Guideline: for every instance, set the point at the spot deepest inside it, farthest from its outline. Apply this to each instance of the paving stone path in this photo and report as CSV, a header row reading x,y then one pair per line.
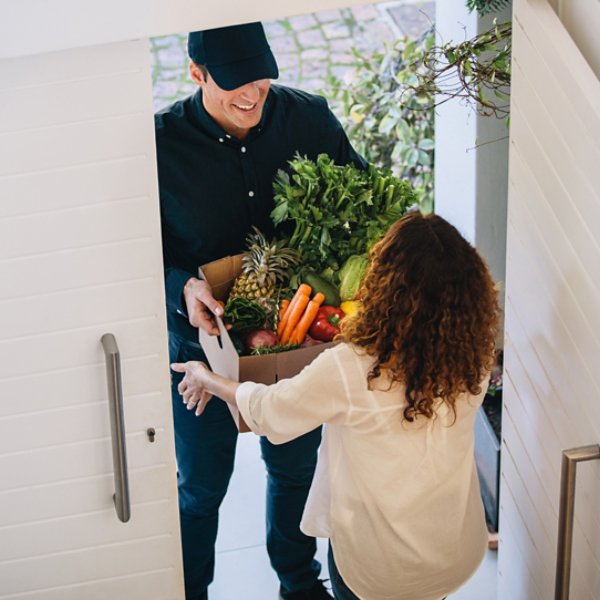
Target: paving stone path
x,y
308,48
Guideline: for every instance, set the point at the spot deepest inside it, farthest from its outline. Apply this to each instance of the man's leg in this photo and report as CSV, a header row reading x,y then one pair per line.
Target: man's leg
x,y
290,469
340,590
205,449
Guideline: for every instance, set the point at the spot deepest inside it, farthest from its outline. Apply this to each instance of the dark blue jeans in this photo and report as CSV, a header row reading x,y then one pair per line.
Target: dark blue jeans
x,y
205,450
339,588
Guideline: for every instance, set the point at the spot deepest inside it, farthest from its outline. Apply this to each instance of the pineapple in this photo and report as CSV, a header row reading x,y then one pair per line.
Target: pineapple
x,y
264,269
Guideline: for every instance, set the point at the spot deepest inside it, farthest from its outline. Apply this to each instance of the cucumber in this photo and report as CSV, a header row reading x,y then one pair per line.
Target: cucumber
x,y
318,284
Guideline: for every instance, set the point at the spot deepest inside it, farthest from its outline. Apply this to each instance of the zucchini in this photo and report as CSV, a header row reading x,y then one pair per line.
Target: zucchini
x,y
318,284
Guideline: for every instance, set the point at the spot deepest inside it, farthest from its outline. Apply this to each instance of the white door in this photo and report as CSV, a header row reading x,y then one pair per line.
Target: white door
x,y
552,360
80,257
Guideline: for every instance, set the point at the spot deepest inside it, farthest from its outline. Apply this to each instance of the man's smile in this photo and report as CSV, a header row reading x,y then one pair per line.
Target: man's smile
x,y
246,107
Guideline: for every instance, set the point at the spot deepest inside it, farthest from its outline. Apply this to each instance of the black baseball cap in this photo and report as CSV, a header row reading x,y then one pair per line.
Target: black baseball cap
x,y
234,55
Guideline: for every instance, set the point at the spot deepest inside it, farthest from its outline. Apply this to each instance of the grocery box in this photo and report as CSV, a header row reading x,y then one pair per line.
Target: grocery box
x,y
221,353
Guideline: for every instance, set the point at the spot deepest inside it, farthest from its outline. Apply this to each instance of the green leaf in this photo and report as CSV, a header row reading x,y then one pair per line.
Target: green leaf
x,y
424,158
387,124
279,213
426,144
412,157
399,147
403,129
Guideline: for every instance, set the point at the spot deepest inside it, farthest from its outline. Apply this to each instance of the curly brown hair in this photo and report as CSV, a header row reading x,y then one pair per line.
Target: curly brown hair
x,y
429,314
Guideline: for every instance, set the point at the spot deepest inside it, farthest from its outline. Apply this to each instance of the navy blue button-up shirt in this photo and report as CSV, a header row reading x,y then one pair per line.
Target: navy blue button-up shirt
x,y
213,187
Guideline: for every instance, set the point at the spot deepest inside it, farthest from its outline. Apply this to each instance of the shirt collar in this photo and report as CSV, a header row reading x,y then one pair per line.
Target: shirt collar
x,y
206,122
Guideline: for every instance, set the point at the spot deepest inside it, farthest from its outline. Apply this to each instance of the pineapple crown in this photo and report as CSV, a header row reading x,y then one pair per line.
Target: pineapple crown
x,y
268,262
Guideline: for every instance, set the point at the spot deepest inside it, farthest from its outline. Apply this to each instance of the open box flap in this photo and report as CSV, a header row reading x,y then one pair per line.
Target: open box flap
x,y
221,274
220,351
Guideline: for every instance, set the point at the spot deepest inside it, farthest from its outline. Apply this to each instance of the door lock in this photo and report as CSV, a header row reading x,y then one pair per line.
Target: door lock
x,y
151,432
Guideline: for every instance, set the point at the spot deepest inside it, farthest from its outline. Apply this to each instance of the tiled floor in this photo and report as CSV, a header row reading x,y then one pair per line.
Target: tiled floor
x,y
243,571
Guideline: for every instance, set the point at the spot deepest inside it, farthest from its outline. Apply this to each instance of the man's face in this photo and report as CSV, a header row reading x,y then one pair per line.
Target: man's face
x,y
236,111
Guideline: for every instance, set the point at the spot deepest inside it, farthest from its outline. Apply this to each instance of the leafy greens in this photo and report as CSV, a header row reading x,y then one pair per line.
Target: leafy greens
x,y
337,211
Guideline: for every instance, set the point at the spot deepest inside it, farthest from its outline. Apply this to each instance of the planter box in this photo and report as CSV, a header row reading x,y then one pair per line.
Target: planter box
x,y
487,459
221,353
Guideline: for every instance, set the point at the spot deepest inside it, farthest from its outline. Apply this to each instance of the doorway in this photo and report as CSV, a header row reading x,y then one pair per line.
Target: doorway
x,y
312,51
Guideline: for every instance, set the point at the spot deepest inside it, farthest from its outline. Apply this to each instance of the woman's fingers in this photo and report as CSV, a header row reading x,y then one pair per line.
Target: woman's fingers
x,y
192,391
190,396
204,400
197,400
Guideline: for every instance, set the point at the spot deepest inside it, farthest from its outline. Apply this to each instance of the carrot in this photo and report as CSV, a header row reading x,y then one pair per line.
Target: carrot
x,y
282,308
319,298
299,332
303,290
293,316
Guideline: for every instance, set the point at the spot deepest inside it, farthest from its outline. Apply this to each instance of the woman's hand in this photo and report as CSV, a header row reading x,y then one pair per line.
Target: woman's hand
x,y
193,386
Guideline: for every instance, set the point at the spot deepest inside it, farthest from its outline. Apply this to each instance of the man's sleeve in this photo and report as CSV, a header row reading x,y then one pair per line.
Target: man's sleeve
x,y
175,280
344,153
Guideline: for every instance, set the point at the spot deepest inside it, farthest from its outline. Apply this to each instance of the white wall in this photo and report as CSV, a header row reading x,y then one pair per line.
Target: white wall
x,y
583,26
552,297
471,181
34,26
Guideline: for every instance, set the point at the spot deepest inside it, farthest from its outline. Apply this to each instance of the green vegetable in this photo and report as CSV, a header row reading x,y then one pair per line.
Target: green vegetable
x,y
336,211
260,350
318,284
243,314
351,275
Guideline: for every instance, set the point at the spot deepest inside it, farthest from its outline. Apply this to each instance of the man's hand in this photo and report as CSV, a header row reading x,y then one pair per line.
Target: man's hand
x,y
201,305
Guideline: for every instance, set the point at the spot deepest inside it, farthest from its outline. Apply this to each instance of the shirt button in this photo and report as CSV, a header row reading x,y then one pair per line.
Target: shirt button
x,y
251,194
221,140
243,148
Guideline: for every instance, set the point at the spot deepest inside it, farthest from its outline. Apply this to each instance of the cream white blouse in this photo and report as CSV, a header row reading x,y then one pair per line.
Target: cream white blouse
x,y
399,501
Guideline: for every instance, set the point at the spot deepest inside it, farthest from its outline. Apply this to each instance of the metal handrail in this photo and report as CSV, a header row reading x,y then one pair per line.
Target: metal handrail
x,y
117,426
570,458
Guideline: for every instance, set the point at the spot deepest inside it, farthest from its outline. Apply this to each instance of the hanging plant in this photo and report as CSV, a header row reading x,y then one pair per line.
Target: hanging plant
x,y
476,71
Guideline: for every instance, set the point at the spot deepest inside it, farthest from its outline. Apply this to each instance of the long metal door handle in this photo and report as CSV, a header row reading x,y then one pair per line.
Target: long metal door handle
x,y
117,426
570,458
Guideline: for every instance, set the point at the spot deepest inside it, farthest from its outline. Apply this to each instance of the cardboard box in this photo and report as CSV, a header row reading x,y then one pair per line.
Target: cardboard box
x,y
221,353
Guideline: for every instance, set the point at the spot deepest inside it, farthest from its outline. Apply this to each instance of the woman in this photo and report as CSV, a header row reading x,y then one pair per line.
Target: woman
x,y
395,489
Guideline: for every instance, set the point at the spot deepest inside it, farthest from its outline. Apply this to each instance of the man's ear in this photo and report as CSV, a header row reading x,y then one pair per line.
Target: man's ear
x,y
196,73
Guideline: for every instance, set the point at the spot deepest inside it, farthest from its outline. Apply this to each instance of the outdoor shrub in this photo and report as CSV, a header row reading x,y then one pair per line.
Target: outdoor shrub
x,y
387,121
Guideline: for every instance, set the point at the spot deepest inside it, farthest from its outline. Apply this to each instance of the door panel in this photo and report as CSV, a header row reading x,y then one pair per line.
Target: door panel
x,y
80,496
79,387
67,568
97,224
79,461
79,257
26,195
